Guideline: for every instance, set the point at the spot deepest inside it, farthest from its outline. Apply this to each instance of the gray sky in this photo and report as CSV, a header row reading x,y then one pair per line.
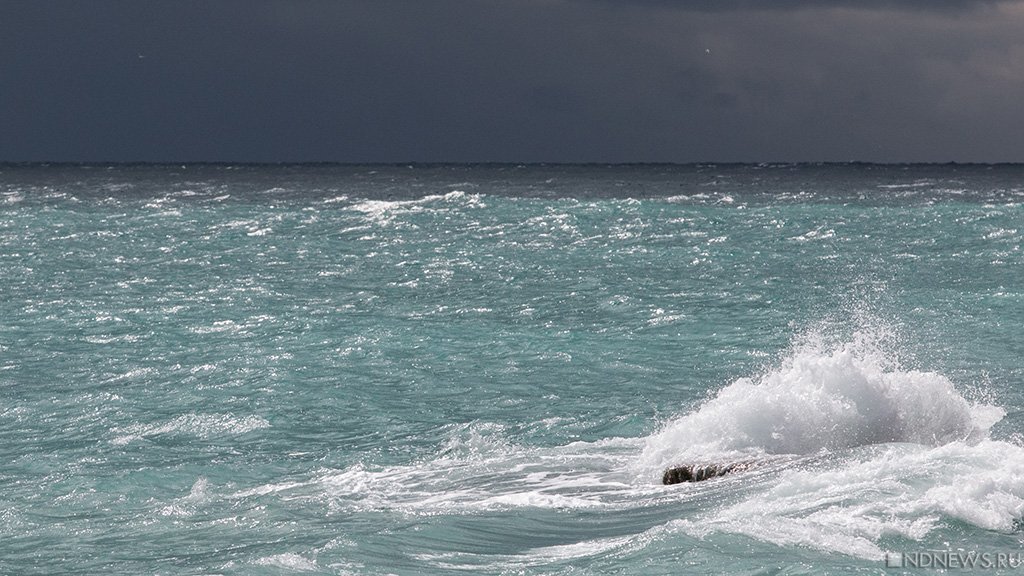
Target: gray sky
x,y
512,80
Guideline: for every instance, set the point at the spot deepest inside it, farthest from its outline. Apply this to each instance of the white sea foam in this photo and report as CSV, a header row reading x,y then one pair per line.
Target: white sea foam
x,y
289,561
383,211
893,453
822,399
1001,233
903,490
185,506
819,233
916,184
477,470
196,425
542,556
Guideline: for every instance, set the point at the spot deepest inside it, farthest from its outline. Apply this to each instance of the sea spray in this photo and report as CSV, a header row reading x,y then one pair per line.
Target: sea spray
x,y
897,453
822,398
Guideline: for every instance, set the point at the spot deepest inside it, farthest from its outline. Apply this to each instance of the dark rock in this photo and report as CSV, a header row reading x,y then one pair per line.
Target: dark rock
x,y
696,473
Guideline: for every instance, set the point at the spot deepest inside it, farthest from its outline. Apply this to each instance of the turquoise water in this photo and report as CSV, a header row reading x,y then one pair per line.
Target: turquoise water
x,y
485,369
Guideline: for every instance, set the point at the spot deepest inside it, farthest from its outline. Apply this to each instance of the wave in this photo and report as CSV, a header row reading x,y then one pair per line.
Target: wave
x,y
383,211
860,452
202,426
876,494
822,399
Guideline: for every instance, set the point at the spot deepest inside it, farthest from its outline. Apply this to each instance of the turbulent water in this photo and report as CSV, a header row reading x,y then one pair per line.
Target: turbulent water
x,y
212,369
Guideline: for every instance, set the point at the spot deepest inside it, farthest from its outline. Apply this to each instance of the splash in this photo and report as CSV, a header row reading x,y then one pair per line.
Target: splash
x,y
823,398
864,452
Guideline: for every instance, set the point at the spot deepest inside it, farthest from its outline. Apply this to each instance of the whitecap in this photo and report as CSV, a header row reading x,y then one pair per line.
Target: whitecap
x,y
197,425
384,211
822,399
289,561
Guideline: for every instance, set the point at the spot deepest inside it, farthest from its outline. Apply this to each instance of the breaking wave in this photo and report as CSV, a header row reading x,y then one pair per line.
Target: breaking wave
x,y
823,398
383,211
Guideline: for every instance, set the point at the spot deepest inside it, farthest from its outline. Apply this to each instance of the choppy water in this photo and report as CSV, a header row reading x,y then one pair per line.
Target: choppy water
x,y
485,369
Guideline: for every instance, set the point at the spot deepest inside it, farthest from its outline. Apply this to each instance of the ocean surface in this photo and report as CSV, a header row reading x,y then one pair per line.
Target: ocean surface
x,y
320,369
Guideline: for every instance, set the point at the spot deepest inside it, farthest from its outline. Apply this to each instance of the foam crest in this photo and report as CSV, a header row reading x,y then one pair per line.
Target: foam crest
x,y
822,399
383,211
289,561
905,491
478,469
203,426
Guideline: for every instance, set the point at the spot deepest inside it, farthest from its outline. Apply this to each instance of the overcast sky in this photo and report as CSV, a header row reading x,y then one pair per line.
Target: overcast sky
x,y
511,80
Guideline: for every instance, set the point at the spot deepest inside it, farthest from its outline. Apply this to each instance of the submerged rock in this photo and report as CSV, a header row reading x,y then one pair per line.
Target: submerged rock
x,y
696,473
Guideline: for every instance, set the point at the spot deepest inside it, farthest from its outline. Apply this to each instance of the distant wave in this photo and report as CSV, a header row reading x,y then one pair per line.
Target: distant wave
x,y
196,425
382,211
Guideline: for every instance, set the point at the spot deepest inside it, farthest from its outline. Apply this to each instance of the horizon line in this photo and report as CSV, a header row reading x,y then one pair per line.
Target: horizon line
x,y
225,163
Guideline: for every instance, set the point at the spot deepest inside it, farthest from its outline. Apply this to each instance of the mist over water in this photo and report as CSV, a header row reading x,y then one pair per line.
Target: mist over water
x,y
485,369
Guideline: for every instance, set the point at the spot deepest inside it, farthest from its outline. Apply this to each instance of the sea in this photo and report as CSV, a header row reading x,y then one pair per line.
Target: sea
x,y
486,369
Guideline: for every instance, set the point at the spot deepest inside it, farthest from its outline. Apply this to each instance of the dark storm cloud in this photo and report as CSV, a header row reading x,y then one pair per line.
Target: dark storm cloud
x,y
724,5
533,80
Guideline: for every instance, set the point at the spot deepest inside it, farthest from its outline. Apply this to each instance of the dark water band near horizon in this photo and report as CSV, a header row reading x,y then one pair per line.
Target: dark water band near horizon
x,y
484,369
